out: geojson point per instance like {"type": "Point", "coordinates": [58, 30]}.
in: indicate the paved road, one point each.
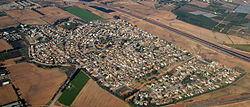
{"type": "Point", "coordinates": [223, 49]}
{"type": "Point", "coordinates": [224, 101]}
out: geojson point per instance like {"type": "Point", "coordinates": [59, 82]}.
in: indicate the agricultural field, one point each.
{"type": "Point", "coordinates": [243, 47]}
{"type": "Point", "coordinates": [36, 85]}
{"type": "Point", "coordinates": [92, 95]}
{"type": "Point", "coordinates": [7, 95]}
{"type": "Point", "coordinates": [198, 20]}
{"type": "Point", "coordinates": [199, 3]}
{"type": "Point", "coordinates": [83, 14]}
{"type": "Point", "coordinates": [6, 22]}
{"type": "Point", "coordinates": [10, 54]}
{"type": "Point", "coordinates": [52, 14]}
{"type": "Point", "coordinates": [26, 16]}
{"type": "Point", "coordinates": [4, 46]}
{"type": "Point", "coordinates": [216, 16]}
{"type": "Point", "coordinates": [77, 84]}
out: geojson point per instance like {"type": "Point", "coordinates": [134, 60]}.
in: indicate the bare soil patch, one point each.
{"type": "Point", "coordinates": [52, 14]}
{"type": "Point", "coordinates": [37, 86]}
{"type": "Point", "coordinates": [135, 8]}
{"type": "Point", "coordinates": [26, 16]}
{"type": "Point", "coordinates": [6, 22]}
{"type": "Point", "coordinates": [187, 8]}
{"type": "Point", "coordinates": [7, 95]}
{"type": "Point", "coordinates": [149, 3]}
{"type": "Point", "coordinates": [238, 104]}
{"type": "Point", "coordinates": [199, 3]}
{"type": "Point", "coordinates": [94, 96]}
{"type": "Point", "coordinates": [4, 46]}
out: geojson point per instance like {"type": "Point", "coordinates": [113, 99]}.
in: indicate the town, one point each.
{"type": "Point", "coordinates": [118, 54]}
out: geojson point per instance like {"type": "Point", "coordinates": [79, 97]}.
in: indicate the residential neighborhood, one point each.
{"type": "Point", "coordinates": [118, 54]}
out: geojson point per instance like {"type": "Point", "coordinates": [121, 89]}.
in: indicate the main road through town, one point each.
{"type": "Point", "coordinates": [234, 53]}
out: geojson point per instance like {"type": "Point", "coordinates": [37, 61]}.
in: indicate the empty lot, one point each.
{"type": "Point", "coordinates": [94, 96]}
{"type": "Point", "coordinates": [26, 16]}
{"type": "Point", "coordinates": [37, 86]}
{"type": "Point", "coordinates": [4, 45]}
{"type": "Point", "coordinates": [52, 14]}
{"type": "Point", "coordinates": [7, 95]}
{"type": "Point", "coordinates": [6, 22]}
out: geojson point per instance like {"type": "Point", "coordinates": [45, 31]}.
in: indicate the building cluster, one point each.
{"type": "Point", "coordinates": [47, 50]}
{"type": "Point", "coordinates": [4, 80]}
{"type": "Point", "coordinates": [193, 78]}
{"type": "Point", "coordinates": [48, 53]}
{"type": "Point", "coordinates": [10, 36]}
{"type": "Point", "coordinates": [116, 54]}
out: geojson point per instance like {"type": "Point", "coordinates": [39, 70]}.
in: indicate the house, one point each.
{"type": "Point", "coordinates": [3, 72]}
{"type": "Point", "coordinates": [4, 81]}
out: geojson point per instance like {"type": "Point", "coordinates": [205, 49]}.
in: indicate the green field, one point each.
{"type": "Point", "coordinates": [70, 94]}
{"type": "Point", "coordinates": [243, 47]}
{"type": "Point", "coordinates": [197, 20]}
{"type": "Point", "coordinates": [82, 13]}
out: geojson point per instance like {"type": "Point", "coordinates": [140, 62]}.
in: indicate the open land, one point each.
{"type": "Point", "coordinates": [93, 95]}
{"type": "Point", "coordinates": [37, 86]}
{"type": "Point", "coordinates": [26, 16]}
{"type": "Point", "coordinates": [243, 47]}
{"type": "Point", "coordinates": [7, 94]}
{"type": "Point", "coordinates": [4, 46]}
{"type": "Point", "coordinates": [149, 3]}
{"type": "Point", "coordinates": [6, 22]}
{"type": "Point", "coordinates": [52, 14]}
{"type": "Point", "coordinates": [238, 104]}
{"type": "Point", "coordinates": [199, 3]}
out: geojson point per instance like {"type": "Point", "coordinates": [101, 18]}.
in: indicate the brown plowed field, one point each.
{"type": "Point", "coordinates": [26, 16]}
{"type": "Point", "coordinates": [94, 96]}
{"type": "Point", "coordinates": [4, 45]}
{"type": "Point", "coordinates": [7, 95]}
{"type": "Point", "coordinates": [37, 86]}
{"type": "Point", "coordinates": [199, 3]}
{"type": "Point", "coordinates": [52, 14]}
{"type": "Point", "coordinates": [6, 22]}
{"type": "Point", "coordinates": [191, 9]}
